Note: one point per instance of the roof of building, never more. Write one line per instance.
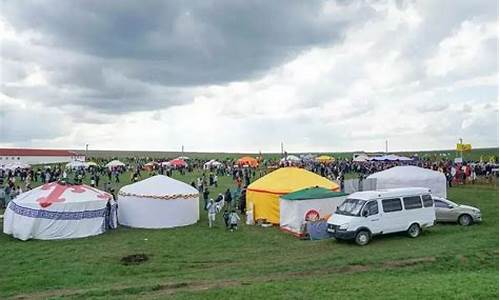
(35, 152)
(394, 192)
(313, 193)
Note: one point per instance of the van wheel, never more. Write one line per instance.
(362, 238)
(465, 220)
(414, 230)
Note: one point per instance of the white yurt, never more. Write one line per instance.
(411, 176)
(309, 204)
(59, 211)
(115, 163)
(158, 202)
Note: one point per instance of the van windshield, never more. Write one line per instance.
(350, 207)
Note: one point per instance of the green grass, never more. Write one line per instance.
(447, 261)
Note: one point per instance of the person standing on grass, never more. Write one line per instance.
(243, 200)
(228, 198)
(234, 219)
(225, 216)
(212, 211)
(216, 180)
(205, 197)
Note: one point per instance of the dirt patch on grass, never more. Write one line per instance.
(134, 259)
(408, 262)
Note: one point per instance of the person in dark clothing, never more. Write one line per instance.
(243, 201)
(225, 215)
(228, 198)
(205, 197)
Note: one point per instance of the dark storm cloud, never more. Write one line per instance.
(179, 42)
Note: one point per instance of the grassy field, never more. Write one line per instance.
(446, 262)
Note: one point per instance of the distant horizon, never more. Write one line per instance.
(248, 152)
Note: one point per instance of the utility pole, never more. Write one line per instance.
(386, 146)
(281, 149)
(461, 149)
(86, 151)
(182, 150)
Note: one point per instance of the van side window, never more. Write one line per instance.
(412, 202)
(427, 200)
(389, 205)
(372, 208)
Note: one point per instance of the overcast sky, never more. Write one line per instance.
(247, 75)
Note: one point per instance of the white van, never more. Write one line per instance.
(365, 214)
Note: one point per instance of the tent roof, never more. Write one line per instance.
(159, 185)
(114, 163)
(247, 158)
(56, 193)
(287, 180)
(406, 172)
(313, 193)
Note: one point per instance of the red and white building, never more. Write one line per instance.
(37, 156)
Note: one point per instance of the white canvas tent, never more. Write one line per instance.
(76, 164)
(291, 158)
(361, 158)
(310, 204)
(59, 211)
(115, 163)
(211, 163)
(15, 165)
(158, 202)
(411, 176)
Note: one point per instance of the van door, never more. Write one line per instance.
(393, 215)
(371, 212)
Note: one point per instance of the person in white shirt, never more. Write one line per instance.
(234, 219)
(212, 211)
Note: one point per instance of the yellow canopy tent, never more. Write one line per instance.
(324, 158)
(264, 193)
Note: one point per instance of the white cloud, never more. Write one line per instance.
(467, 50)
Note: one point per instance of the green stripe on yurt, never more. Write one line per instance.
(312, 193)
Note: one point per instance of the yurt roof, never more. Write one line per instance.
(286, 180)
(56, 193)
(158, 186)
(406, 172)
(313, 193)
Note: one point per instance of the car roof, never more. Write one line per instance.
(384, 193)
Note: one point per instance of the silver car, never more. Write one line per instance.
(449, 211)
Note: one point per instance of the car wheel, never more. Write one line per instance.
(465, 220)
(362, 237)
(414, 230)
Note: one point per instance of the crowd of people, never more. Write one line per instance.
(14, 182)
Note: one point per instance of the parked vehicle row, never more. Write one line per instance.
(366, 214)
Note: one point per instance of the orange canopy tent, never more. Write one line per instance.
(248, 160)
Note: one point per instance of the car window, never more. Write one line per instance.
(412, 202)
(427, 199)
(372, 208)
(440, 203)
(390, 205)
